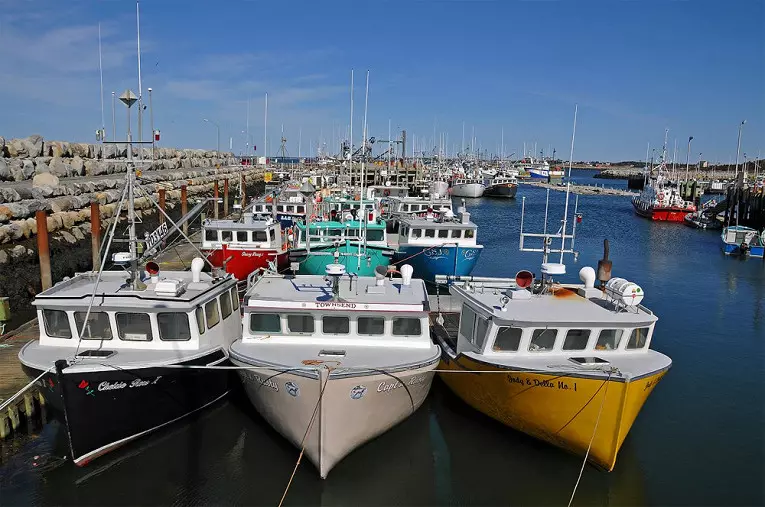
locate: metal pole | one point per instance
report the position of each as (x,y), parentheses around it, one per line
(153,136)
(114,121)
(738,145)
(95,234)
(687,157)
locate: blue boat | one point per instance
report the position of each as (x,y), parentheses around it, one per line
(439,245)
(743,241)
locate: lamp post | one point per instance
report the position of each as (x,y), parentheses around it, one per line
(218,130)
(688,157)
(153,132)
(738,146)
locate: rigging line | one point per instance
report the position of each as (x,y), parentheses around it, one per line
(592,438)
(586,404)
(10,400)
(116,217)
(305,437)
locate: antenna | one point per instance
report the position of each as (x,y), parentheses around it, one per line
(101,72)
(568,187)
(265,131)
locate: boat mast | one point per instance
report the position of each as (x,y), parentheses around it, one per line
(568,188)
(350,135)
(362,210)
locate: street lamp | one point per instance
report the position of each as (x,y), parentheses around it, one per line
(688,157)
(738,147)
(218,130)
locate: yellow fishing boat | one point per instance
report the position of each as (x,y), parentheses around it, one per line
(568,364)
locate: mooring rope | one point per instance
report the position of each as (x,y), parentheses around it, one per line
(18,393)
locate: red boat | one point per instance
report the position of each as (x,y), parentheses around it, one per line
(242,247)
(662,203)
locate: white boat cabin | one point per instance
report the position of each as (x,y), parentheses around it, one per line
(413,205)
(249,233)
(439,230)
(178,310)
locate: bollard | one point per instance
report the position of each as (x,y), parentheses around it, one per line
(95,234)
(162,205)
(225,197)
(43,250)
(216,195)
(184,206)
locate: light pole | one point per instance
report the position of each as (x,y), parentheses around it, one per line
(114,121)
(688,157)
(218,130)
(738,146)
(153,132)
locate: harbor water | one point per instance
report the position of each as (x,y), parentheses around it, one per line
(698,440)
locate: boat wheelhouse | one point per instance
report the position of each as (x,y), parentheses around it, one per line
(439,245)
(743,241)
(394,208)
(378,192)
(502,185)
(110,357)
(359,245)
(332,367)
(577,361)
(244,247)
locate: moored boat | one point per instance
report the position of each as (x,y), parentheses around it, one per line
(502,186)
(468,187)
(743,241)
(332,367)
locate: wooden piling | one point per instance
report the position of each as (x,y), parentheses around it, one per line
(13,415)
(184,208)
(215,196)
(162,205)
(95,234)
(225,197)
(43,249)
(243,189)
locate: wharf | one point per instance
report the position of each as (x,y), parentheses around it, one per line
(580,189)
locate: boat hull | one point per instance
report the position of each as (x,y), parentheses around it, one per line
(352,409)
(558,407)
(429,261)
(242,262)
(735,250)
(313,264)
(105,409)
(506,190)
(468,190)
(660,214)
(539,174)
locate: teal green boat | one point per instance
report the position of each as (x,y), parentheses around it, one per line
(360,246)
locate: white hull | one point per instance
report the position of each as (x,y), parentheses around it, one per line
(439,189)
(353,409)
(468,190)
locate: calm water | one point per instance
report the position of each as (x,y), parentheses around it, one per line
(697,441)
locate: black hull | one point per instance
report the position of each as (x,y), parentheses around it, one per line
(503,190)
(105,409)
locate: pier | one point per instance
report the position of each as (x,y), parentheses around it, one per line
(580,189)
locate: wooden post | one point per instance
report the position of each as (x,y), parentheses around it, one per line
(162,205)
(216,196)
(225,197)
(95,234)
(184,207)
(43,250)
(243,188)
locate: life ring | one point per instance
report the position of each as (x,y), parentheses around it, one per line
(386,193)
(661,197)
(313,217)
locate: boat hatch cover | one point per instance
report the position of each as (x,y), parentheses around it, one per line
(100,354)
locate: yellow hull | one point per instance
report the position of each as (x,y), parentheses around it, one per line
(560,407)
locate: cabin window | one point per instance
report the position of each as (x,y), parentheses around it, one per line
(259,236)
(352,233)
(609,339)
(469,233)
(467,323)
(416,233)
(371,325)
(241,236)
(57,324)
(211,313)
(300,324)
(375,235)
(543,339)
(273,235)
(235,298)
(200,313)
(173,326)
(576,339)
(301,209)
(430,233)
(227,235)
(225,304)
(97,328)
(456,233)
(443,233)
(265,323)
(481,329)
(638,338)
(407,326)
(211,235)
(508,339)
(280,208)
(134,327)
(335,325)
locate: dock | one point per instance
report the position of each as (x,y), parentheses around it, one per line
(580,189)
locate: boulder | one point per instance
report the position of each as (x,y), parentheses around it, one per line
(28,168)
(58,149)
(14,231)
(41,165)
(46,179)
(32,224)
(60,204)
(59,168)
(35,145)
(22,226)
(80,150)
(5,213)
(2,146)
(3,257)
(68,237)
(16,148)
(77,232)
(109,151)
(95,167)
(95,150)
(5,171)
(17,169)
(18,251)
(78,166)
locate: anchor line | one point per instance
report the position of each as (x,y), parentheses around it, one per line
(592,438)
(303,443)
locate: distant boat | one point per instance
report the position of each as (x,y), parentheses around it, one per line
(502,186)
(743,241)
(468,187)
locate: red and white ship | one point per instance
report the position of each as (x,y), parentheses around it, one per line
(660,200)
(245,246)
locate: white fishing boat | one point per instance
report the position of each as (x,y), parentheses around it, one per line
(332,362)
(468,186)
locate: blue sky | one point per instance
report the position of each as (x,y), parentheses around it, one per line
(635,67)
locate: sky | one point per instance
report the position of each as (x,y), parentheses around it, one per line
(509,70)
